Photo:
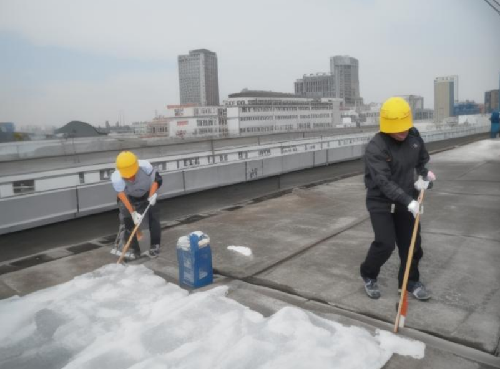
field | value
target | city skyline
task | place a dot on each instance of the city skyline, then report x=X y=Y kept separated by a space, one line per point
x=59 y=67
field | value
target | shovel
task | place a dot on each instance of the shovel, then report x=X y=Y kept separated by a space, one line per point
x=403 y=301
x=127 y=245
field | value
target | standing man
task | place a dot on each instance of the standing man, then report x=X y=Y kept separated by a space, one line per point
x=495 y=124
x=391 y=159
x=136 y=182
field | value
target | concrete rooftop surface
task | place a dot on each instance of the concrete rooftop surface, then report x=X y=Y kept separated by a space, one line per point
x=307 y=244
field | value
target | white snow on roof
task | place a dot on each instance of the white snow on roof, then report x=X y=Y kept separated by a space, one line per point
x=241 y=249
x=126 y=317
x=478 y=151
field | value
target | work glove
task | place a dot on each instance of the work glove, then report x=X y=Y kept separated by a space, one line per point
x=152 y=199
x=425 y=182
x=431 y=177
x=136 y=217
x=414 y=208
x=422 y=184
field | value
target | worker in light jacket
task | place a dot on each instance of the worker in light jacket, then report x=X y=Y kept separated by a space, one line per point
x=136 y=182
x=392 y=159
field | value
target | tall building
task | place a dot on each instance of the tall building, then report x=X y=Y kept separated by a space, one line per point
x=316 y=85
x=491 y=101
x=346 y=72
x=416 y=103
x=444 y=97
x=199 y=78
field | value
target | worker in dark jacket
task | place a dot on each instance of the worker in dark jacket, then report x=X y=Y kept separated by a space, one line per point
x=392 y=158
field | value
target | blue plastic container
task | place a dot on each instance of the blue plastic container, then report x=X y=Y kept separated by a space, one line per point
x=195 y=260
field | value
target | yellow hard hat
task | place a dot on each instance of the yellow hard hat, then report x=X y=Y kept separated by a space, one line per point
x=395 y=116
x=127 y=164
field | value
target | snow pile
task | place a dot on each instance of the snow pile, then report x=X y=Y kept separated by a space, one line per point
x=241 y=249
x=478 y=151
x=126 y=317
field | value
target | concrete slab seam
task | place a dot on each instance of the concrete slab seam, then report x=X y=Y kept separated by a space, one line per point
x=45 y=257
x=308 y=247
x=461 y=235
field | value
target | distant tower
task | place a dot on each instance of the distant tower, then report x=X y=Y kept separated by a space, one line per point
x=199 y=78
x=444 y=97
x=346 y=72
x=315 y=85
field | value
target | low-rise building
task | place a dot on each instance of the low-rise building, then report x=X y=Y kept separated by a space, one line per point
x=267 y=112
x=466 y=108
x=196 y=121
x=140 y=128
x=423 y=114
x=159 y=126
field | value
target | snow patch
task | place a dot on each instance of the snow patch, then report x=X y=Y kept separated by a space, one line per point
x=241 y=249
x=126 y=317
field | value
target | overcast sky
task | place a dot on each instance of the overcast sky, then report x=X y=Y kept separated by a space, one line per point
x=113 y=60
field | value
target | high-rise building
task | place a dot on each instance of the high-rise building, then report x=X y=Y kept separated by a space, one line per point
x=317 y=85
x=346 y=72
x=199 y=78
x=491 y=101
x=416 y=103
x=444 y=97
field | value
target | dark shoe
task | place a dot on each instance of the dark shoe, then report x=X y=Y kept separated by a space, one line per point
x=154 y=251
x=371 y=288
x=418 y=290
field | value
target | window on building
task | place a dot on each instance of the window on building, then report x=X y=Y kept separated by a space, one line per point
x=81 y=176
x=105 y=174
x=25 y=186
x=160 y=166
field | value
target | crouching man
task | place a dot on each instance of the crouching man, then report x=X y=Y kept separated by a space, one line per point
x=136 y=183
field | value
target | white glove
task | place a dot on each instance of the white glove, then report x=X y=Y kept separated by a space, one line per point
x=431 y=176
x=152 y=199
x=136 y=217
x=414 y=208
x=421 y=184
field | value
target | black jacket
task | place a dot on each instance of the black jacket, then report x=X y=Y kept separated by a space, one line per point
x=390 y=170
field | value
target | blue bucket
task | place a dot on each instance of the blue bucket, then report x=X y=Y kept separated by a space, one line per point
x=195 y=260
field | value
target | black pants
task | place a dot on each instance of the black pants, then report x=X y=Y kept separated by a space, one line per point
x=152 y=217
x=392 y=229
